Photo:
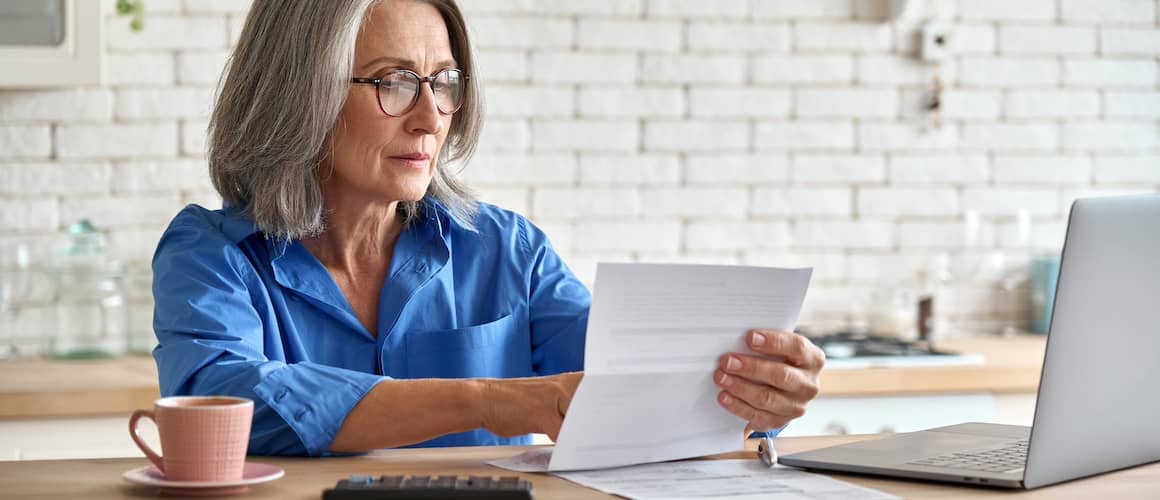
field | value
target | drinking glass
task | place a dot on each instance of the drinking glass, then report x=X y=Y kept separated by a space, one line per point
x=1009 y=275
x=15 y=282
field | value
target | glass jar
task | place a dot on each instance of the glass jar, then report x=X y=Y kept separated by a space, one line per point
x=139 y=309
x=90 y=305
x=892 y=312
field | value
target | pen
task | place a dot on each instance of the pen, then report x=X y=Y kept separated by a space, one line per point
x=766 y=452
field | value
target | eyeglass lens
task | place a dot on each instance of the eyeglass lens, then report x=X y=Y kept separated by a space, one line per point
x=399 y=91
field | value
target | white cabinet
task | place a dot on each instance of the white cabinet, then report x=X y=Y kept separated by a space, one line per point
x=872 y=415
x=49 y=439
x=1015 y=409
x=31 y=60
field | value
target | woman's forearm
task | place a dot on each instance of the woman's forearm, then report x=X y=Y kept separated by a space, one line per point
x=402 y=412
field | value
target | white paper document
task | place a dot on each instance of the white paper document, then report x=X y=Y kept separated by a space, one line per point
x=655 y=333
x=535 y=460
x=727 y=479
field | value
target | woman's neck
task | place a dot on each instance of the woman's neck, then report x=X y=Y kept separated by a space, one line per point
x=359 y=232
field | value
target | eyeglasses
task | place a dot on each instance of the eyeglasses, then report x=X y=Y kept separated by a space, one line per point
x=399 y=90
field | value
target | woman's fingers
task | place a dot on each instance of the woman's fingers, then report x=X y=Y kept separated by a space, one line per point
x=762 y=397
x=759 y=420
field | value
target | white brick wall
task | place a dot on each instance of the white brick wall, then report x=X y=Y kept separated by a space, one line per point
x=67 y=106
x=584 y=135
x=25 y=141
x=201 y=68
x=24 y=178
x=739 y=102
x=692 y=68
x=586 y=203
x=724 y=135
x=902 y=202
x=767 y=132
x=847 y=36
x=649 y=36
x=697 y=9
x=956 y=169
x=804 y=135
x=141 y=70
x=969 y=103
x=1043 y=169
x=1129 y=41
x=1003 y=10
x=608 y=101
x=1047 y=40
x=841 y=169
x=527 y=100
x=737 y=236
x=177 y=33
x=787 y=68
x=1052 y=103
x=116 y=141
x=736 y=169
x=847 y=102
x=617 y=170
x=1108 y=11
x=731 y=36
x=803 y=202
x=1110 y=73
x=520 y=32
x=1132 y=104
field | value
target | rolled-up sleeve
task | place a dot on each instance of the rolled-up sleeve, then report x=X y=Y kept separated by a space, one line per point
x=213 y=339
x=558 y=306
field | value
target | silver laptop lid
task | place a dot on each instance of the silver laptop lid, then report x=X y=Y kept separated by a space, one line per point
x=1099 y=395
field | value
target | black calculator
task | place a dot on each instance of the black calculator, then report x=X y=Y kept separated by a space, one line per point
x=430 y=487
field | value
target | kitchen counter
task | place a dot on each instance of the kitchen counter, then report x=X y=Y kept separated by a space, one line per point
x=44 y=388
x=1011 y=365
x=49 y=388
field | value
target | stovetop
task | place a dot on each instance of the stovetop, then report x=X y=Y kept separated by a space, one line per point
x=847 y=350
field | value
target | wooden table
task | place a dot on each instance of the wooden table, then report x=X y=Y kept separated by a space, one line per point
x=306 y=477
x=43 y=388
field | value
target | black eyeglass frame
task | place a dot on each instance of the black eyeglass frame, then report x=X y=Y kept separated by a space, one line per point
x=429 y=80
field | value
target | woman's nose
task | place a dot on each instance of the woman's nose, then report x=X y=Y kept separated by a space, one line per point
x=425 y=117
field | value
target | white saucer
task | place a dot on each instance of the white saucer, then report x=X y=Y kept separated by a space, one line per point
x=254 y=473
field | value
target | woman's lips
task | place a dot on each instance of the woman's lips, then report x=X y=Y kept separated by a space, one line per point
x=413 y=160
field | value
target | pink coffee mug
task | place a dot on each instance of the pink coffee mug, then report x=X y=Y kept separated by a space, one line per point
x=203 y=438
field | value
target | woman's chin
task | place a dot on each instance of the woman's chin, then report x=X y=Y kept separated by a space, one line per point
x=411 y=193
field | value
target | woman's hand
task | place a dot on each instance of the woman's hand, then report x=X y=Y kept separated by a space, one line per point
x=513 y=407
x=765 y=392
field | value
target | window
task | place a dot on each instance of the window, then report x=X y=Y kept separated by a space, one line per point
x=50 y=43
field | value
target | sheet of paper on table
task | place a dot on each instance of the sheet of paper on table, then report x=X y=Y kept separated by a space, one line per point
x=725 y=479
x=655 y=333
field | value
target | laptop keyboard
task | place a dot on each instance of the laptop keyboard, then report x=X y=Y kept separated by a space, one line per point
x=1010 y=458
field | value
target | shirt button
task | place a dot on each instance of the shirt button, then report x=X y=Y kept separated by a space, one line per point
x=281 y=395
x=421 y=267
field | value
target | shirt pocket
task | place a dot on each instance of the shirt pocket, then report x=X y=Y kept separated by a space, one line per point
x=497 y=349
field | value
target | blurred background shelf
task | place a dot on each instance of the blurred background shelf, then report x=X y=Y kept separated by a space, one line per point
x=70 y=409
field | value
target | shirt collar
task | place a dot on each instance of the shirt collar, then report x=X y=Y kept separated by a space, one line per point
x=236 y=225
x=423 y=249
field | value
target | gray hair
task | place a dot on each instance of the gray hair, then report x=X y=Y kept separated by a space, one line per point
x=279 y=101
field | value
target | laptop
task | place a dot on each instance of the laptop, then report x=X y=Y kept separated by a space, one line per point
x=1097 y=406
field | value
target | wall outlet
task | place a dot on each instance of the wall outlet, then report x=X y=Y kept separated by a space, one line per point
x=936 y=42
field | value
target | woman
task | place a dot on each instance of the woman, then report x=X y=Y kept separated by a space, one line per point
x=351 y=286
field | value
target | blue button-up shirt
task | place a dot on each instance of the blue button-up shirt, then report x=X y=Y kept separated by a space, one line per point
x=240 y=314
